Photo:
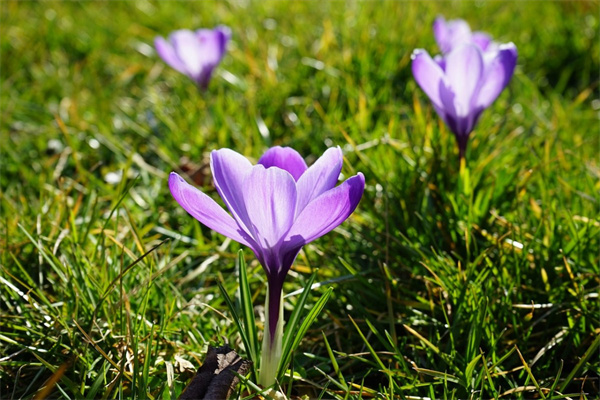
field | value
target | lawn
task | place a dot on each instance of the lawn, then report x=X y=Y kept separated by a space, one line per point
x=444 y=284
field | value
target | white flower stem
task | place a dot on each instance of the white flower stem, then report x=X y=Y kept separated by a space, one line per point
x=271 y=346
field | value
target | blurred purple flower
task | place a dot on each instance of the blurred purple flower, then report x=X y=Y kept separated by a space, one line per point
x=195 y=54
x=464 y=83
x=456 y=32
x=277 y=206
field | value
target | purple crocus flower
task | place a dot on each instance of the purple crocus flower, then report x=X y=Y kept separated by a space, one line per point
x=195 y=54
x=456 y=32
x=464 y=83
x=277 y=206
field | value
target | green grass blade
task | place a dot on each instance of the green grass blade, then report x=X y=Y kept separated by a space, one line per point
x=556 y=380
x=336 y=367
x=300 y=332
x=366 y=342
x=98 y=382
x=530 y=374
x=292 y=324
x=248 y=311
x=489 y=377
x=469 y=371
x=51 y=259
x=146 y=368
x=433 y=347
x=342 y=385
x=589 y=352
x=236 y=319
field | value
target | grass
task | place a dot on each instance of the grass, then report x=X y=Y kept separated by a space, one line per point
x=441 y=289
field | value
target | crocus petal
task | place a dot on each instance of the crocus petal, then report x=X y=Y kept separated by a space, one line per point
x=464 y=68
x=166 y=51
x=212 y=45
x=498 y=72
x=270 y=198
x=229 y=172
x=223 y=37
x=189 y=50
x=441 y=61
x=285 y=158
x=206 y=210
x=325 y=213
x=440 y=32
x=449 y=34
x=460 y=32
x=428 y=74
x=482 y=40
x=320 y=177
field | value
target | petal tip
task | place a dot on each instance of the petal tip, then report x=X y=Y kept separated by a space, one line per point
x=416 y=53
x=224 y=30
x=174 y=175
x=174 y=180
x=361 y=180
x=337 y=150
x=162 y=46
x=510 y=47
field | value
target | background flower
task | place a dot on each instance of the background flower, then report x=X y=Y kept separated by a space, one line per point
x=464 y=83
x=195 y=54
